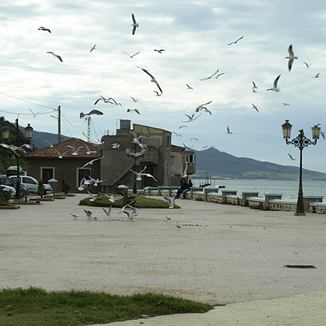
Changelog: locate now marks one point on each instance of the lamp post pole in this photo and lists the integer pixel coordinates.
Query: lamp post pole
(134, 189)
(17, 163)
(301, 141)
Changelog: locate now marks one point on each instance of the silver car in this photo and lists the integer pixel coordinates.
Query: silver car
(32, 184)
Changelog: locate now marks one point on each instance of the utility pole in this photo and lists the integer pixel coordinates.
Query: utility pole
(59, 124)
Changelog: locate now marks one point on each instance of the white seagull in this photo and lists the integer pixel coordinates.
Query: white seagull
(55, 55)
(134, 24)
(153, 80)
(92, 161)
(188, 86)
(131, 55)
(291, 57)
(212, 75)
(170, 200)
(275, 88)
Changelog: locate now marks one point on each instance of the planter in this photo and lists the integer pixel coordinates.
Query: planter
(10, 206)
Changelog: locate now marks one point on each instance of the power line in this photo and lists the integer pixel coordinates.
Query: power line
(20, 113)
(65, 118)
(26, 101)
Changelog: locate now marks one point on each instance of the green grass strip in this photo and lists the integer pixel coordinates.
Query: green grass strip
(37, 307)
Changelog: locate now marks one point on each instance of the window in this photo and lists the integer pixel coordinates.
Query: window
(47, 174)
(190, 158)
(28, 181)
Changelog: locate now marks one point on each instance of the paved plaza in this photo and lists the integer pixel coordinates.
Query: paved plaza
(222, 254)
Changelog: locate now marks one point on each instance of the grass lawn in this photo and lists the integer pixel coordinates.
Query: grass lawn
(36, 307)
(141, 202)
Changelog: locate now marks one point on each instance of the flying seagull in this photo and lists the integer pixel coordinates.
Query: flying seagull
(55, 55)
(88, 214)
(285, 104)
(212, 75)
(44, 29)
(188, 86)
(228, 131)
(291, 57)
(322, 134)
(159, 50)
(133, 110)
(134, 99)
(60, 155)
(157, 93)
(236, 41)
(107, 211)
(34, 113)
(170, 200)
(254, 87)
(93, 48)
(131, 55)
(291, 157)
(219, 75)
(317, 75)
(97, 112)
(92, 161)
(153, 80)
(307, 64)
(134, 24)
(275, 88)
(202, 106)
(255, 107)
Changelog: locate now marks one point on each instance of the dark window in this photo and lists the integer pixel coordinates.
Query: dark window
(47, 174)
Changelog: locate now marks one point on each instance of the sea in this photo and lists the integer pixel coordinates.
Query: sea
(288, 188)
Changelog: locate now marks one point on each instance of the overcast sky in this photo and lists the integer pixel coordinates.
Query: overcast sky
(194, 35)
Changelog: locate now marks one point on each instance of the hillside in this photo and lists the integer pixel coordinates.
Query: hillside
(216, 163)
(42, 139)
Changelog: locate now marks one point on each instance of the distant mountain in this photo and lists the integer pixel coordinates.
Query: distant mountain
(216, 163)
(42, 139)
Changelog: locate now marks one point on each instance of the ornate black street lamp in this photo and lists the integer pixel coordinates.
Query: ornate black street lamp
(28, 136)
(301, 141)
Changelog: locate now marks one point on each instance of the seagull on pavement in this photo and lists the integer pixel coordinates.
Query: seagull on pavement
(134, 24)
(275, 88)
(88, 214)
(291, 57)
(55, 55)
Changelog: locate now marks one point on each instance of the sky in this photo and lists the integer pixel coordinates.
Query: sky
(194, 35)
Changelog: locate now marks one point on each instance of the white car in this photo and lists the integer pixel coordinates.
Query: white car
(9, 189)
(32, 184)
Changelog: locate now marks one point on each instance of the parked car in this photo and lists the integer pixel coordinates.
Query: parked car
(32, 184)
(6, 181)
(9, 189)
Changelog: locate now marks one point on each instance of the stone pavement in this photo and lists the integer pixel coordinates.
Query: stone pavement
(221, 254)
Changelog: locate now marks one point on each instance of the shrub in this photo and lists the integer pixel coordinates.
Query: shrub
(4, 197)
